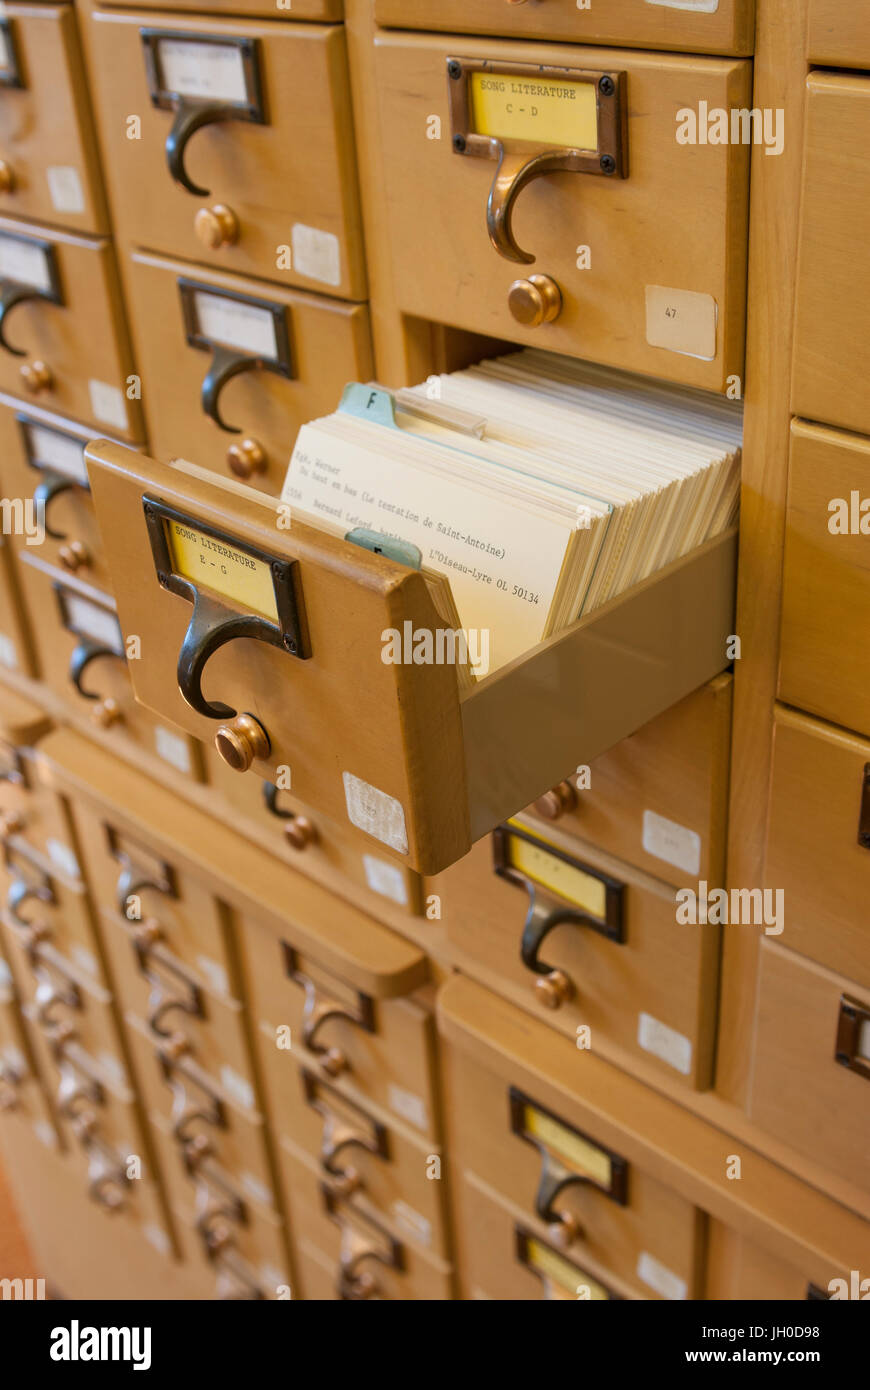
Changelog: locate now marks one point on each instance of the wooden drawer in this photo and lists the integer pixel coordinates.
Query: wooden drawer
(16, 648)
(507, 1259)
(416, 767)
(578, 1194)
(706, 26)
(603, 948)
(329, 852)
(379, 1050)
(66, 340)
(289, 10)
(21, 1088)
(812, 1062)
(823, 663)
(134, 880)
(247, 1259)
(368, 1259)
(33, 818)
(42, 909)
(323, 343)
(81, 652)
(651, 299)
(44, 465)
(214, 1136)
(659, 798)
(382, 1170)
(818, 842)
(832, 338)
(265, 185)
(838, 35)
(50, 166)
(738, 1268)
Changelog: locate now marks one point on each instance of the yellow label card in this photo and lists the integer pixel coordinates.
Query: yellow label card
(215, 564)
(562, 1142)
(563, 1272)
(544, 110)
(571, 882)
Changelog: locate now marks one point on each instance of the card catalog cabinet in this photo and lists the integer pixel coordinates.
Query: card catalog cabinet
(708, 26)
(49, 169)
(419, 772)
(832, 341)
(633, 256)
(243, 152)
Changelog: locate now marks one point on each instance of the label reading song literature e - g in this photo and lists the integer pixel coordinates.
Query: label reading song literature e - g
(671, 842)
(214, 70)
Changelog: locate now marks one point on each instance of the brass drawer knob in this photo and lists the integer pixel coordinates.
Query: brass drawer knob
(554, 990)
(106, 713)
(300, 832)
(74, 556)
(216, 226)
(554, 803)
(36, 377)
(535, 300)
(7, 177)
(246, 458)
(241, 741)
(11, 823)
(333, 1061)
(565, 1231)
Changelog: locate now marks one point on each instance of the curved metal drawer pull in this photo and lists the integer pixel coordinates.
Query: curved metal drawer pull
(319, 1008)
(51, 485)
(21, 892)
(225, 364)
(191, 116)
(210, 628)
(12, 293)
(87, 650)
(355, 1283)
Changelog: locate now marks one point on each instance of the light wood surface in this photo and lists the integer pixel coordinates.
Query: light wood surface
(839, 35)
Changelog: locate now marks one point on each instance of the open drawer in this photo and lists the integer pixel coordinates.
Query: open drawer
(278, 658)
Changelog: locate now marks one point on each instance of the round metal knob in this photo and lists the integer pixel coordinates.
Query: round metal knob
(218, 1234)
(7, 177)
(106, 712)
(553, 990)
(535, 300)
(300, 832)
(333, 1061)
(216, 226)
(198, 1148)
(36, 377)
(556, 801)
(565, 1231)
(345, 1184)
(148, 933)
(241, 742)
(246, 459)
(11, 823)
(74, 556)
(175, 1047)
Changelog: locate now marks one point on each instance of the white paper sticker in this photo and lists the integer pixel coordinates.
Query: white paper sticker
(375, 812)
(192, 69)
(90, 620)
(386, 879)
(45, 1134)
(107, 403)
(257, 1189)
(316, 254)
(14, 1058)
(409, 1106)
(156, 1236)
(172, 748)
(85, 959)
(412, 1222)
(671, 842)
(660, 1278)
(63, 858)
(665, 1043)
(7, 990)
(8, 654)
(681, 321)
(25, 262)
(272, 1278)
(236, 324)
(701, 6)
(60, 452)
(239, 1090)
(214, 973)
(65, 188)
(113, 1067)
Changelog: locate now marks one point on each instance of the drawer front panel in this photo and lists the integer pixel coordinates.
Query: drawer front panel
(738, 1268)
(812, 1069)
(270, 182)
(327, 345)
(66, 337)
(636, 291)
(376, 1050)
(33, 817)
(16, 648)
(818, 842)
(236, 1259)
(589, 1202)
(41, 910)
(824, 666)
(833, 278)
(659, 798)
(705, 26)
(288, 10)
(50, 170)
(643, 981)
(839, 35)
